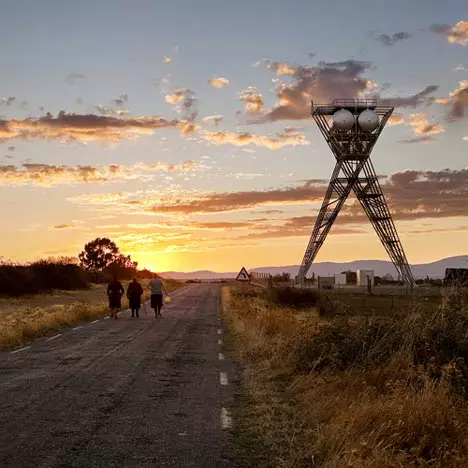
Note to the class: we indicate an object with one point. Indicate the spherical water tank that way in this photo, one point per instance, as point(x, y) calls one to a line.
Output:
point(343, 120)
point(368, 120)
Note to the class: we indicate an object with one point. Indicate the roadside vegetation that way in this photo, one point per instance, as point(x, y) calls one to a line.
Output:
point(42, 297)
point(380, 391)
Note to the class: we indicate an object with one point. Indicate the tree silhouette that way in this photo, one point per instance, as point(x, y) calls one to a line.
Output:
point(98, 254)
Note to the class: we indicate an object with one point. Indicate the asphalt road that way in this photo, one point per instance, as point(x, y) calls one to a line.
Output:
point(147, 392)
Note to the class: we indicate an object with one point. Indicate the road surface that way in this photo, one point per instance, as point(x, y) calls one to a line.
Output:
point(127, 393)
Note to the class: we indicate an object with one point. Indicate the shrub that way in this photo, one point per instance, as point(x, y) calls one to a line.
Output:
point(292, 297)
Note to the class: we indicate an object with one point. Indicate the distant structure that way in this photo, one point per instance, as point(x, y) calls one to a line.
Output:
point(351, 128)
point(456, 277)
point(364, 276)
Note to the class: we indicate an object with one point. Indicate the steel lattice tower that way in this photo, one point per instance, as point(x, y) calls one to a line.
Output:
point(354, 171)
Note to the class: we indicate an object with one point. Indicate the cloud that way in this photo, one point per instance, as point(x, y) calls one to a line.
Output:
point(184, 102)
point(83, 127)
point(64, 226)
point(465, 138)
point(458, 101)
point(423, 139)
point(242, 139)
point(219, 82)
point(278, 67)
point(413, 100)
point(253, 101)
point(7, 101)
point(325, 82)
point(456, 34)
point(167, 60)
point(213, 119)
point(386, 40)
point(72, 78)
point(120, 101)
point(49, 175)
point(395, 119)
point(421, 126)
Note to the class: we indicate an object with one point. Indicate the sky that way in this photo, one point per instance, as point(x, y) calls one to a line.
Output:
point(182, 130)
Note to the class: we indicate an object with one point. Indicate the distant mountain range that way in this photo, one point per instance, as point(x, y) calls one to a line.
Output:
point(380, 267)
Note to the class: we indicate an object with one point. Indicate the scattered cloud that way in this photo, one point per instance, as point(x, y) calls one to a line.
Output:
point(458, 101)
point(7, 101)
point(413, 100)
point(184, 102)
point(70, 127)
point(460, 67)
point(72, 78)
point(456, 34)
point(121, 100)
point(242, 139)
point(423, 139)
point(167, 60)
point(278, 67)
point(395, 119)
point(219, 82)
point(421, 126)
point(213, 119)
point(386, 40)
point(465, 138)
point(253, 101)
point(49, 175)
point(65, 226)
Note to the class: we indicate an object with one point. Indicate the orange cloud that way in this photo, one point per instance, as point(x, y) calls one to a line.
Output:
point(242, 139)
point(167, 59)
point(395, 119)
point(421, 126)
point(213, 119)
point(456, 34)
point(65, 226)
point(219, 82)
point(253, 101)
point(81, 127)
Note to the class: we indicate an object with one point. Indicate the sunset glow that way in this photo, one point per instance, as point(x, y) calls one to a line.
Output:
point(193, 147)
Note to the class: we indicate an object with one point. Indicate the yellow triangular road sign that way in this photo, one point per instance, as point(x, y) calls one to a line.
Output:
point(243, 275)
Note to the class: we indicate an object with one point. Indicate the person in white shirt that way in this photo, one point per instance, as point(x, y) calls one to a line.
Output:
point(157, 289)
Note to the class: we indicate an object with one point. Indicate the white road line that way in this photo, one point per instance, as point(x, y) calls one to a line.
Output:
point(223, 378)
point(106, 318)
point(94, 321)
point(220, 341)
point(221, 356)
point(226, 420)
point(21, 349)
point(77, 328)
point(220, 332)
point(54, 337)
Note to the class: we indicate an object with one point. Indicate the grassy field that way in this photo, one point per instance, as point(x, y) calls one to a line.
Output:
point(389, 391)
point(30, 317)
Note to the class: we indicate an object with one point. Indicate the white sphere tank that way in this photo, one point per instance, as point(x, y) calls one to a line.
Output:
point(368, 120)
point(343, 120)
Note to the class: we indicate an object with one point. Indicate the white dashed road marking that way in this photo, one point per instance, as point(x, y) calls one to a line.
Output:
point(77, 328)
point(106, 318)
point(21, 349)
point(220, 332)
point(94, 321)
point(226, 420)
point(221, 356)
point(220, 341)
point(54, 337)
point(223, 378)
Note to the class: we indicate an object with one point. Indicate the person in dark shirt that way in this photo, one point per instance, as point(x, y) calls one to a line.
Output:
point(115, 291)
point(134, 293)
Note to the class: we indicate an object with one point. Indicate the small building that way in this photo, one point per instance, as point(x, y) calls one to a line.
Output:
point(351, 277)
point(340, 279)
point(325, 282)
point(363, 276)
point(456, 277)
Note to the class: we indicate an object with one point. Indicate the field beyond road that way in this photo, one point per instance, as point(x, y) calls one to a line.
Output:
point(382, 391)
point(29, 317)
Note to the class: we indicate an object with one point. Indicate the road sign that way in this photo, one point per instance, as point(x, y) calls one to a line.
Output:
point(243, 275)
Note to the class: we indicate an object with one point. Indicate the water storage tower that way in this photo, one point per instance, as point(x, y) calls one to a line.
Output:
point(351, 128)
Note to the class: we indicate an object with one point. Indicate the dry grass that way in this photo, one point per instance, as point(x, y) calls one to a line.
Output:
point(28, 318)
point(389, 393)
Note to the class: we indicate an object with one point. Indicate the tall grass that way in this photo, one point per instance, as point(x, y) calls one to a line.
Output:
point(377, 392)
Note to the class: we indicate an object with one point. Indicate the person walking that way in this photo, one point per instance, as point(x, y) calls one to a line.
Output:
point(157, 289)
point(115, 291)
point(134, 293)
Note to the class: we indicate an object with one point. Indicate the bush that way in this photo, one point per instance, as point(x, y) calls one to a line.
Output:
point(40, 277)
point(295, 298)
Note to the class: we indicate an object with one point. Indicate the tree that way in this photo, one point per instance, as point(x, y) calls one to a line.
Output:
point(98, 254)
point(123, 267)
